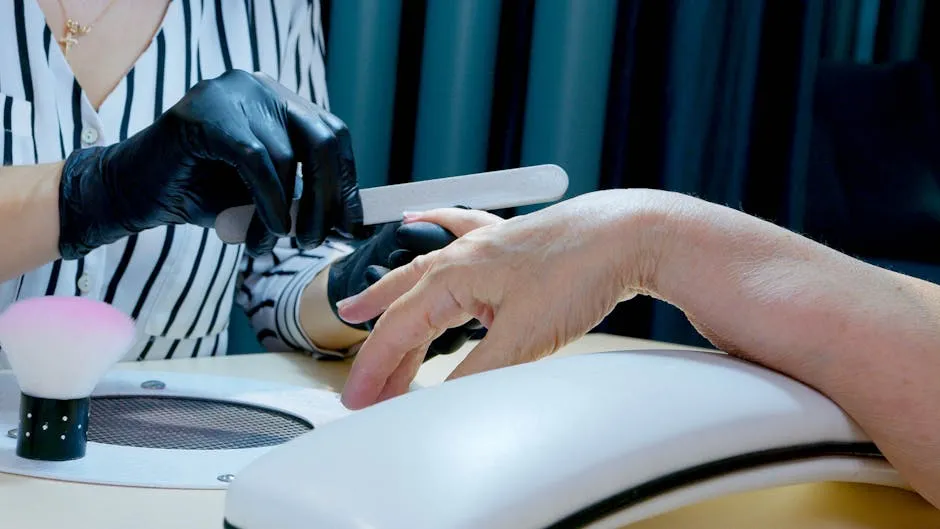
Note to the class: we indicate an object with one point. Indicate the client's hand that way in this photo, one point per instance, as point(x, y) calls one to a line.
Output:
point(393, 245)
point(536, 282)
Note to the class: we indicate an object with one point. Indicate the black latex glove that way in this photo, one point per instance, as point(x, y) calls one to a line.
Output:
point(231, 141)
point(393, 245)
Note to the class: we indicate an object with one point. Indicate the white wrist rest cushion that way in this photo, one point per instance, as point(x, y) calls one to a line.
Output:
point(559, 443)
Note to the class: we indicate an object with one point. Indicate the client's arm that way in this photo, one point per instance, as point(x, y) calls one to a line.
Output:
point(867, 337)
point(29, 217)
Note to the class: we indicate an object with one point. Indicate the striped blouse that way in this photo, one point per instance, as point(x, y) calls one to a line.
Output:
point(177, 282)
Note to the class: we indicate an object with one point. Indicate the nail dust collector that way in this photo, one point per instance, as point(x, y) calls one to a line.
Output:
point(594, 441)
point(67, 417)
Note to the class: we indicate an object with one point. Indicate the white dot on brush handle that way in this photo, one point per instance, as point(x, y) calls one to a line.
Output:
point(62, 437)
point(27, 434)
point(29, 415)
point(45, 426)
point(65, 418)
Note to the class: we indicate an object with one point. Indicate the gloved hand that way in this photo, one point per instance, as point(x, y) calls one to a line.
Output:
point(230, 141)
point(393, 245)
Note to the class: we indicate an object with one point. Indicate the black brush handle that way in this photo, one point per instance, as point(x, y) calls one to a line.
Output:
point(52, 429)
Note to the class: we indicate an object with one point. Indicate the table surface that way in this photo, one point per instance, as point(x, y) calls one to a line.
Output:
point(28, 503)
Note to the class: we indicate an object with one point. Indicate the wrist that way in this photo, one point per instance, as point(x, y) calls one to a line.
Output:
point(87, 212)
point(319, 320)
point(645, 231)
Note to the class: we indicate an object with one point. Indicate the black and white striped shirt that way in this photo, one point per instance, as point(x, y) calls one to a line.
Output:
point(177, 282)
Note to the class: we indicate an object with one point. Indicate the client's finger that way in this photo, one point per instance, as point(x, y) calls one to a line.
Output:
point(404, 375)
point(457, 221)
point(410, 322)
point(506, 343)
point(373, 301)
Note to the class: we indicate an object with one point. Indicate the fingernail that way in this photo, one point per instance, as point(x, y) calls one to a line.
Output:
point(343, 303)
point(343, 307)
point(344, 400)
point(347, 397)
point(409, 215)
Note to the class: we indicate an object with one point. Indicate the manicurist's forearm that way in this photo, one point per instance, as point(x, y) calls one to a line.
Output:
point(29, 217)
point(867, 337)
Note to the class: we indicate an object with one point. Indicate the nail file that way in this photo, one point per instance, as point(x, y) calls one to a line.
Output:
point(486, 191)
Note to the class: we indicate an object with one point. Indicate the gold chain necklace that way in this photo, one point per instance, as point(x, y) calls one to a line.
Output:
point(74, 30)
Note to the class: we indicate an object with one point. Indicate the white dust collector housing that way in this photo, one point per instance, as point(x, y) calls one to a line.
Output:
point(172, 430)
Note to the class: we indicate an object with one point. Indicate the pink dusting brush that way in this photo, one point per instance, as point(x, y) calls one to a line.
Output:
point(59, 348)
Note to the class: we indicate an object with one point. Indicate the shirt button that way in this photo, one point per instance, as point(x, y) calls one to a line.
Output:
point(84, 283)
point(89, 135)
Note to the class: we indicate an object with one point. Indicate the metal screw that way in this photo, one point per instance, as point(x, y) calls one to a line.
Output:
point(12, 433)
point(227, 478)
point(153, 384)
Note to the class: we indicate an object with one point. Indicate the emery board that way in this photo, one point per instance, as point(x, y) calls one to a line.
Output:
point(490, 190)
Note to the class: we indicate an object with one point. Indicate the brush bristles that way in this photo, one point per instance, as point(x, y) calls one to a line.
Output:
point(60, 347)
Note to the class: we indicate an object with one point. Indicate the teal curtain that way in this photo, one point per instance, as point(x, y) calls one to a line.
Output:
point(569, 69)
point(361, 73)
point(452, 131)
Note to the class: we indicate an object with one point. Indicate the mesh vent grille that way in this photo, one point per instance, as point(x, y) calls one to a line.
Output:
point(184, 423)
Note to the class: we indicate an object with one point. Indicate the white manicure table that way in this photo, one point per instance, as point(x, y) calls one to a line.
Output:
point(29, 503)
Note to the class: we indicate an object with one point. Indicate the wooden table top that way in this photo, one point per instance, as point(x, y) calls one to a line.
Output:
point(28, 503)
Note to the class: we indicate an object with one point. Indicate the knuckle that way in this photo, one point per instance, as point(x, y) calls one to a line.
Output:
point(483, 313)
point(252, 149)
point(438, 321)
point(215, 82)
point(427, 318)
point(209, 89)
point(235, 74)
point(422, 263)
point(344, 141)
point(327, 140)
point(281, 156)
point(334, 122)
